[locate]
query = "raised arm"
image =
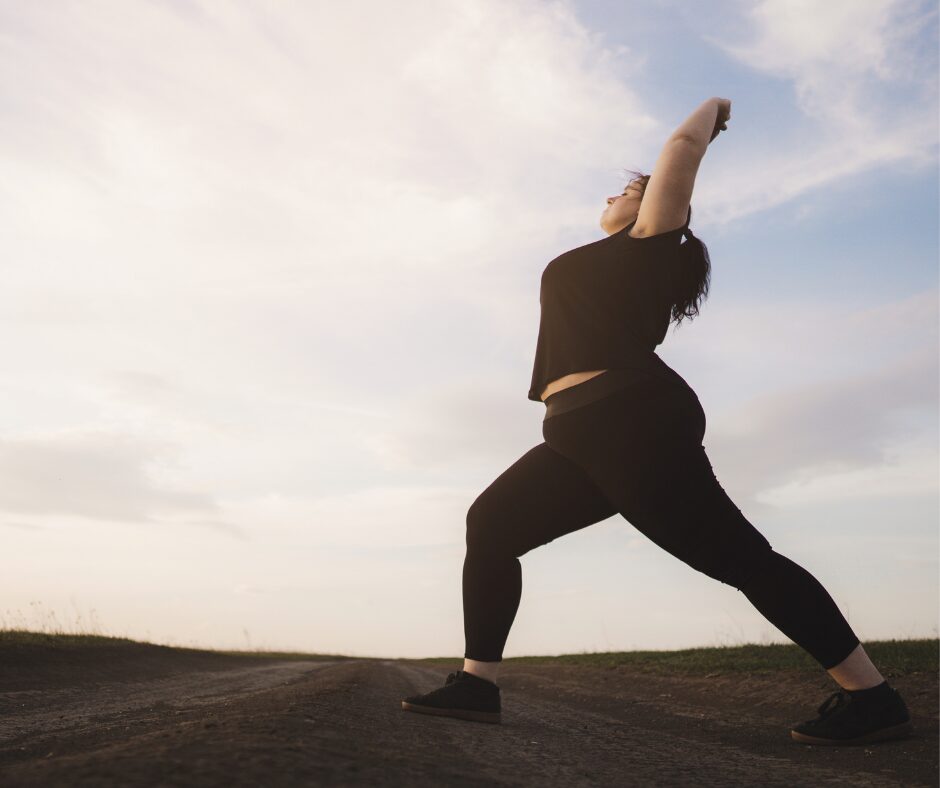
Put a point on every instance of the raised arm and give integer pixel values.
(665, 204)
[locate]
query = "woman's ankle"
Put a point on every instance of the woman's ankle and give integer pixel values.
(484, 670)
(856, 671)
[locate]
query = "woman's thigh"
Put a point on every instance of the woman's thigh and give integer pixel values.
(541, 496)
(642, 448)
(688, 513)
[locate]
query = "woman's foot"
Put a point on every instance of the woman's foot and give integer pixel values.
(857, 717)
(463, 695)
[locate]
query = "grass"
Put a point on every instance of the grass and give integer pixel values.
(891, 657)
(23, 637)
(17, 630)
(11, 639)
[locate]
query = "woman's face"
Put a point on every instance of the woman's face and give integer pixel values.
(622, 209)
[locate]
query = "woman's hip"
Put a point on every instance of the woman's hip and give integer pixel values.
(640, 412)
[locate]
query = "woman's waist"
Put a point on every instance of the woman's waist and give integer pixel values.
(600, 383)
(647, 365)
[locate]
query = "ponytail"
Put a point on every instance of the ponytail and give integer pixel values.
(694, 277)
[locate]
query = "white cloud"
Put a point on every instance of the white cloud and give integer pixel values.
(847, 429)
(857, 38)
(381, 518)
(862, 78)
(909, 473)
(271, 275)
(820, 400)
(95, 475)
(211, 238)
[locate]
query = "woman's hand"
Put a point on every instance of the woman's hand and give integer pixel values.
(724, 115)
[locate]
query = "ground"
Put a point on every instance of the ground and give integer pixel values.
(248, 721)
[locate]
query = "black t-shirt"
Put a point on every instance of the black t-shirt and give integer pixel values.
(606, 305)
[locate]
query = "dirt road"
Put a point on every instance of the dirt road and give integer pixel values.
(340, 723)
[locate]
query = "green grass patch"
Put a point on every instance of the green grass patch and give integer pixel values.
(891, 657)
(22, 637)
(12, 639)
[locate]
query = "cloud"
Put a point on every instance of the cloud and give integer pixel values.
(271, 132)
(274, 276)
(314, 265)
(802, 392)
(819, 400)
(766, 344)
(271, 189)
(384, 518)
(844, 41)
(798, 436)
(91, 474)
(459, 426)
(21, 526)
(864, 76)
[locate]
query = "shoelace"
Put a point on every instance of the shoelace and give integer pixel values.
(841, 699)
(454, 676)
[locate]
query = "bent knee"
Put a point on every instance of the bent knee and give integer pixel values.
(492, 532)
(737, 566)
(480, 528)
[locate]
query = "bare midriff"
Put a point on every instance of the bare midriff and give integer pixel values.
(569, 380)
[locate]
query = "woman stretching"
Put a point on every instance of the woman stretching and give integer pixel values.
(623, 434)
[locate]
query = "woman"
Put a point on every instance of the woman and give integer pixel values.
(623, 434)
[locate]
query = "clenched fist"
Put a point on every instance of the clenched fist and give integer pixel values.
(724, 115)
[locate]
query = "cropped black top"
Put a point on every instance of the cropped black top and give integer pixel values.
(606, 305)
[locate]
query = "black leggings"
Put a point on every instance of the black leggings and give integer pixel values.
(618, 444)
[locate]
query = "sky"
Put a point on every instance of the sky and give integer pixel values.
(270, 301)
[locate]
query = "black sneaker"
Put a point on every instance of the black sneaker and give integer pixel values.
(846, 719)
(463, 695)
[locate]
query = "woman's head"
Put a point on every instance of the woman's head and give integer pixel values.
(623, 208)
(694, 279)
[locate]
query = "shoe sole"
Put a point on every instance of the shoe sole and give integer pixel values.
(463, 714)
(884, 734)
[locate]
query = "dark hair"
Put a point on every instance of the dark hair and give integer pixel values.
(694, 269)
